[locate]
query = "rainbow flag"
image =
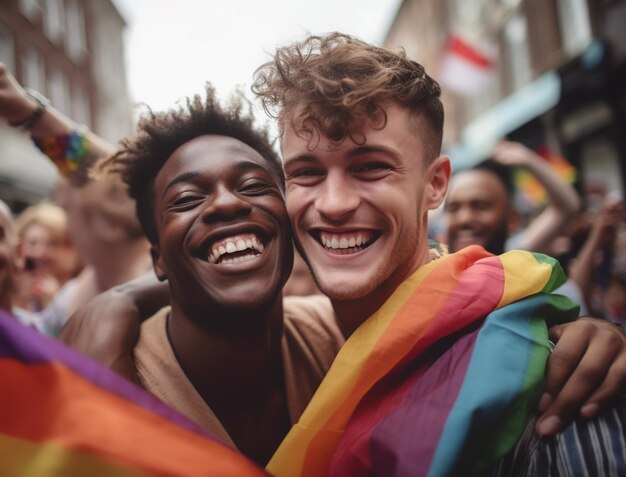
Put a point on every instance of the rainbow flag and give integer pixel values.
(62, 414)
(427, 386)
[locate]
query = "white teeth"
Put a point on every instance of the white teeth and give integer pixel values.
(238, 243)
(336, 242)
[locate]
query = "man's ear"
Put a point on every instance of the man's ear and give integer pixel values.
(438, 178)
(157, 263)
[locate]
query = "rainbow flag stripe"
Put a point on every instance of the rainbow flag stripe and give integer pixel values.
(62, 414)
(428, 386)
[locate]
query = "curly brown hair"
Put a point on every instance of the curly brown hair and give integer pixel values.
(335, 85)
(158, 135)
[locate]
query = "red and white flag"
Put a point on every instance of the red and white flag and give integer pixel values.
(464, 69)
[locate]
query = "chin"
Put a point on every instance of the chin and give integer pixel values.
(344, 291)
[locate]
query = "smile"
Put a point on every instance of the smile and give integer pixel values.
(235, 249)
(345, 243)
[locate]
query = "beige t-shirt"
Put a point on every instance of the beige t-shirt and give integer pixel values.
(311, 339)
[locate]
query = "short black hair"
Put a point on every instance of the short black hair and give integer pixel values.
(500, 171)
(158, 135)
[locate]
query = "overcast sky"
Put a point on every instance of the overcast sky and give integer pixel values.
(174, 46)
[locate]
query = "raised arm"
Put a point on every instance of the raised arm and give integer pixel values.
(602, 231)
(50, 129)
(563, 201)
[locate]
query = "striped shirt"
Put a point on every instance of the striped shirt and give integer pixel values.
(585, 448)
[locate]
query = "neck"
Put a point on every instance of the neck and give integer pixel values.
(352, 313)
(245, 360)
(122, 264)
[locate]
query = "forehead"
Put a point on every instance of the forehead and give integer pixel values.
(476, 184)
(399, 135)
(209, 154)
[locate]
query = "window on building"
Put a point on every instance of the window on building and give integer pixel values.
(33, 70)
(75, 21)
(517, 54)
(54, 25)
(80, 106)
(58, 86)
(31, 9)
(7, 55)
(575, 25)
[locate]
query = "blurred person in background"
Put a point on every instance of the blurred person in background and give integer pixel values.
(599, 267)
(7, 258)
(46, 258)
(8, 271)
(479, 208)
(101, 217)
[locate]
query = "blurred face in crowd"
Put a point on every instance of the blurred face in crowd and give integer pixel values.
(224, 240)
(7, 244)
(477, 211)
(359, 211)
(39, 246)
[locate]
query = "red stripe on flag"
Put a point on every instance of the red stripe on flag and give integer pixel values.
(468, 53)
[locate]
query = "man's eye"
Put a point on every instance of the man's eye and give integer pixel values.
(186, 200)
(373, 167)
(482, 205)
(256, 187)
(304, 173)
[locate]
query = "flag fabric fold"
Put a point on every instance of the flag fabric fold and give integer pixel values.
(441, 379)
(62, 414)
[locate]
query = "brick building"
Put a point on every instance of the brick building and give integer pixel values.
(71, 51)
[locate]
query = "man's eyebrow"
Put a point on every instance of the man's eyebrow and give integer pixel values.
(300, 158)
(185, 176)
(357, 151)
(362, 150)
(249, 165)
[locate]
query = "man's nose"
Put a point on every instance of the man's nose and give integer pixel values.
(225, 204)
(338, 197)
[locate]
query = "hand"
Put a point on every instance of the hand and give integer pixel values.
(513, 154)
(608, 221)
(15, 103)
(107, 329)
(585, 373)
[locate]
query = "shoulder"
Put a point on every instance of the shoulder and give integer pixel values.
(153, 341)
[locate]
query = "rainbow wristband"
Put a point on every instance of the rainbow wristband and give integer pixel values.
(67, 151)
